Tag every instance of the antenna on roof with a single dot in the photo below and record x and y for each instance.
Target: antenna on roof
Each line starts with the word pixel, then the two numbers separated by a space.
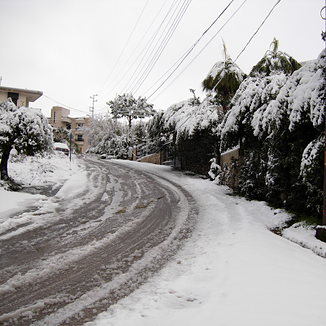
pixel 0 80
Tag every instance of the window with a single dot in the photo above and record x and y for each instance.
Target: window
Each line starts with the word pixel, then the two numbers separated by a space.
pixel 79 138
pixel 14 97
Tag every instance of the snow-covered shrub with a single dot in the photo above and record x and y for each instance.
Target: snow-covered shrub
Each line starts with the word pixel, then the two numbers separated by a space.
pixel 214 170
pixel 191 128
pixel 252 98
pixel 277 119
pixel 25 129
pixel 241 127
pixel 185 117
pixel 293 121
pixel 310 173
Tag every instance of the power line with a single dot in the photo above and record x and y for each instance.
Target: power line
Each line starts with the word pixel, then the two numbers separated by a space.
pixel 64 105
pixel 263 22
pixel 191 49
pixel 163 45
pixel 123 75
pixel 148 46
pixel 127 42
pixel 205 46
pixel 157 45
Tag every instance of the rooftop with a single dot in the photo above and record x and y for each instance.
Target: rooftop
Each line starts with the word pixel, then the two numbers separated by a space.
pixel 31 95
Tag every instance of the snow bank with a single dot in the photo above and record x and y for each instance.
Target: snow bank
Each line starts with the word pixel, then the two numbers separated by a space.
pixel 75 185
pixel 51 171
pixel 43 170
pixel 13 202
pixel 305 236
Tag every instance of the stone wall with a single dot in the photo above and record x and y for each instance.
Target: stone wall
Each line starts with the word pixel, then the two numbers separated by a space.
pixel 229 163
pixel 153 158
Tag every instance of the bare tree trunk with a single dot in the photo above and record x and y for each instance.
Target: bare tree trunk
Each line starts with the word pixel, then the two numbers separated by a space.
pixel 129 122
pixel 4 163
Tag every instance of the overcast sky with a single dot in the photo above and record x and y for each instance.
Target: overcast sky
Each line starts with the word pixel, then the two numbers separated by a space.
pixel 71 49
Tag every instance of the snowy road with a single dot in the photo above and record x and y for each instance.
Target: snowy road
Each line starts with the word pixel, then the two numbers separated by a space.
pixel 102 235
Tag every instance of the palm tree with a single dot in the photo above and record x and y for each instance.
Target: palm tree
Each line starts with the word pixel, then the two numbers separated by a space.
pixel 275 61
pixel 224 79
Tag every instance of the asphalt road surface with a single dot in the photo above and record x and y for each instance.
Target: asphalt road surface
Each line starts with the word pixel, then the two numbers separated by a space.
pixel 87 252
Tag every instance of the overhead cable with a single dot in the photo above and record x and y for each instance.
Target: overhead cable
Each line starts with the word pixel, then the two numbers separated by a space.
pixel 64 105
pixel 126 43
pixel 263 22
pixel 162 47
pixel 144 53
pixel 204 47
pixel 191 49
pixel 124 71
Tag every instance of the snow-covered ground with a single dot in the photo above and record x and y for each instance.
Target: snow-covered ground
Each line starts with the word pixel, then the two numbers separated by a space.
pixel 52 171
pixel 233 271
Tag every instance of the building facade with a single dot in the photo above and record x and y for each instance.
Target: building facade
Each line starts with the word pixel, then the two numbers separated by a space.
pixel 20 97
pixel 60 119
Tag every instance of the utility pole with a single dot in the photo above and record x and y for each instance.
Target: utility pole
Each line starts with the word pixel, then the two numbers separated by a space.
pixel 92 108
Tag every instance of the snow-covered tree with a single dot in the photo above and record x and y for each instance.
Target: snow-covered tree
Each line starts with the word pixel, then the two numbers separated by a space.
pixel 275 61
pixel 224 80
pixel 293 125
pixel 61 135
pixel 98 128
pixel 126 106
pixel 278 119
pixel 24 129
pixel 107 136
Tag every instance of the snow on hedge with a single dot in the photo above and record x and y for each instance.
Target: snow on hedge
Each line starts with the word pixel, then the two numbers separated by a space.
pixel 263 102
pixel 310 155
pixel 250 100
pixel 185 116
pixel 300 99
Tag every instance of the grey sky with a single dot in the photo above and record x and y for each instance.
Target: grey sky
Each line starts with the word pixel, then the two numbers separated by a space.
pixel 70 49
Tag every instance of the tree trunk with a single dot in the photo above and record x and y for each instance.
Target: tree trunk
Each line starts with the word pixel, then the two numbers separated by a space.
pixel 129 120
pixel 4 163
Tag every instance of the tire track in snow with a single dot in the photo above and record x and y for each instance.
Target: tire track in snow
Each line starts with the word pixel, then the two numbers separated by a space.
pixel 135 235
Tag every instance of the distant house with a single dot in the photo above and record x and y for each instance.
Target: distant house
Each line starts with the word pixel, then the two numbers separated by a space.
pixel 21 97
pixel 60 119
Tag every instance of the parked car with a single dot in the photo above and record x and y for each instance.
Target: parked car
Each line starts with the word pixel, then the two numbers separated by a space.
pixel 61 147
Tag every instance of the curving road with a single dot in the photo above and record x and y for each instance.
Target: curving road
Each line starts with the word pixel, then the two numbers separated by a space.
pixel 65 261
